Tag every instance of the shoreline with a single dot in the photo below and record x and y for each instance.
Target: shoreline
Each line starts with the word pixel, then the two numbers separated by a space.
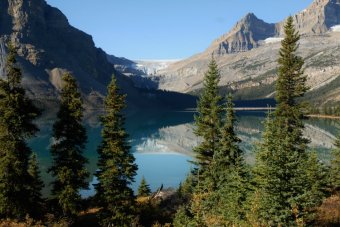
pixel 323 116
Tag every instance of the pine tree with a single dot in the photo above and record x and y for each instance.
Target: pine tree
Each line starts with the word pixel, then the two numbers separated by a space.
pixel 36 186
pixel 116 164
pixel 335 166
pixel 17 113
pixel 208 124
pixel 144 188
pixel 229 153
pixel 70 138
pixel 281 157
pixel 230 176
pixel 208 119
pixel 316 181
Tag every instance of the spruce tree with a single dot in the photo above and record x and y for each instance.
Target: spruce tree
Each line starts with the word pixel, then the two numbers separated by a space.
pixel 316 181
pixel 335 166
pixel 36 186
pixel 229 152
pixel 208 118
pixel 144 188
pixel 207 127
pixel 116 164
pixel 17 113
pixel 230 177
pixel 281 157
pixel 70 137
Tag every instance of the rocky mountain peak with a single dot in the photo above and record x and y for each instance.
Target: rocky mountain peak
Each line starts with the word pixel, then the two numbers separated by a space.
pixel 243 36
pixel 317 19
pixel 249 17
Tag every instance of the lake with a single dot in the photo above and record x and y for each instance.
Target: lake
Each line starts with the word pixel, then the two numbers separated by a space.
pixel 162 143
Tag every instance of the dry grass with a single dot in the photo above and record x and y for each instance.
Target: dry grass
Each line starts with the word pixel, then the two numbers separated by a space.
pixel 143 199
pixel 89 211
pixel 328 213
pixel 27 223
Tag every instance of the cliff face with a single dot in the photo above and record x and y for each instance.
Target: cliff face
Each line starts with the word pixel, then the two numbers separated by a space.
pixel 48 46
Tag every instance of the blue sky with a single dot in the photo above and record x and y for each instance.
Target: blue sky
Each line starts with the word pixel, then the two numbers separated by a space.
pixel 166 29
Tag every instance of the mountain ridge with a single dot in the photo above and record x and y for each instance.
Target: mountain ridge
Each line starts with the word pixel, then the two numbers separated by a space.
pixel 250 67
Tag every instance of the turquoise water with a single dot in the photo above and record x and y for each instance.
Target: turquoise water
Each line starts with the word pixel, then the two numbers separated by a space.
pixel 162 143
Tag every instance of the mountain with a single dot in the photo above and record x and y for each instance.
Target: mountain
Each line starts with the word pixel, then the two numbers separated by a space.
pixel 247 56
pixel 250 30
pixel 48 46
pixel 243 37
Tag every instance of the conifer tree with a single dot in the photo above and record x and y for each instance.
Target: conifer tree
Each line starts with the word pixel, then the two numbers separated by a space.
pixel 281 157
pixel 144 188
pixel 208 119
pixel 231 173
pixel 229 153
pixel 116 164
pixel 208 124
pixel 230 177
pixel 17 113
pixel 36 186
pixel 225 184
pixel 70 137
pixel 335 166
pixel 316 181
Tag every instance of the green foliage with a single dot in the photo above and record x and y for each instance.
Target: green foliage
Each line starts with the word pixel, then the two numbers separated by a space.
pixel 208 119
pixel 208 124
pixel 186 188
pixel 229 152
pixel 282 172
pixel 116 164
pixel 219 197
pixel 227 204
pixel 335 166
pixel 183 218
pixel 17 114
pixel 316 181
pixel 36 186
pixel 144 188
pixel 230 176
pixel 67 150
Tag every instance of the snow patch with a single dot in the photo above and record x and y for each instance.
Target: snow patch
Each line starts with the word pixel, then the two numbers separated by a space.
pixel 335 28
pixel 273 40
pixel 151 67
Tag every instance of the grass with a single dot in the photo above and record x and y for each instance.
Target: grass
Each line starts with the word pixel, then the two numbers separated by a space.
pixel 328 213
